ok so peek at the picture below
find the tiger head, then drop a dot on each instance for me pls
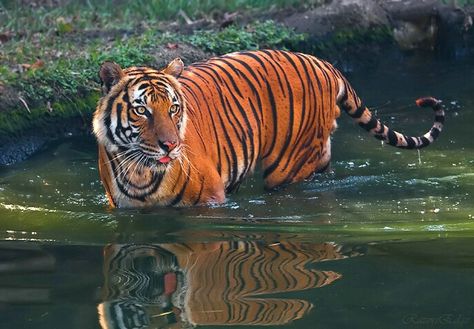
(142, 113)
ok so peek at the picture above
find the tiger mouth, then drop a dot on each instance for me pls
(165, 160)
(150, 159)
(156, 156)
(161, 161)
(158, 162)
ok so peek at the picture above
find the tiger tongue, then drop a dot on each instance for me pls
(170, 283)
(164, 159)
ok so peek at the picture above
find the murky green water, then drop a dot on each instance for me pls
(384, 241)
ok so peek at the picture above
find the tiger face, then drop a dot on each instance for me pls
(141, 116)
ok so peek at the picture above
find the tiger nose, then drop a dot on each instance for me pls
(167, 145)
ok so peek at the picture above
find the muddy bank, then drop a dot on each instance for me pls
(349, 33)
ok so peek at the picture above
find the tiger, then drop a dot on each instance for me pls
(184, 136)
(181, 285)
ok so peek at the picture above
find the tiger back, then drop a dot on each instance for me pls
(186, 136)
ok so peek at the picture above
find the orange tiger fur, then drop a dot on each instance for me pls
(186, 136)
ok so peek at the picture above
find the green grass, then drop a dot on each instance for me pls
(256, 36)
(68, 80)
(74, 15)
(70, 68)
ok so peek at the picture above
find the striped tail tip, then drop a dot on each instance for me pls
(428, 102)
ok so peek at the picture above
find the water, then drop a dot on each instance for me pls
(383, 241)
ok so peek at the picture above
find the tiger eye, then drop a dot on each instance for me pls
(174, 109)
(140, 110)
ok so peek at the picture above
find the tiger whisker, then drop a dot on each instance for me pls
(128, 158)
(187, 148)
(181, 164)
(185, 156)
(120, 154)
(140, 159)
(127, 163)
(137, 161)
(121, 167)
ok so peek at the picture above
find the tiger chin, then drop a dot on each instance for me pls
(183, 136)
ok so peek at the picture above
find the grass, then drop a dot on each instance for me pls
(54, 72)
(255, 36)
(107, 14)
(70, 68)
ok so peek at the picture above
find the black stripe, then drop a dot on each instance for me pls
(227, 108)
(244, 64)
(248, 133)
(216, 140)
(381, 129)
(392, 137)
(252, 107)
(179, 196)
(357, 113)
(425, 141)
(152, 186)
(434, 132)
(273, 108)
(228, 139)
(309, 122)
(369, 125)
(257, 57)
(439, 118)
(410, 142)
(198, 199)
(119, 130)
(271, 168)
(229, 76)
(274, 64)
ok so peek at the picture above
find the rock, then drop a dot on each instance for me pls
(428, 25)
(188, 53)
(454, 32)
(339, 15)
(415, 24)
(18, 150)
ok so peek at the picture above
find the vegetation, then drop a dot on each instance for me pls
(50, 57)
(47, 66)
(29, 17)
(255, 36)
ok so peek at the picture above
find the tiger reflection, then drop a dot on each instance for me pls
(222, 283)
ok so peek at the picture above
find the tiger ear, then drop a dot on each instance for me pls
(174, 68)
(110, 73)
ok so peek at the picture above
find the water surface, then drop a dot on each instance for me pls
(384, 240)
